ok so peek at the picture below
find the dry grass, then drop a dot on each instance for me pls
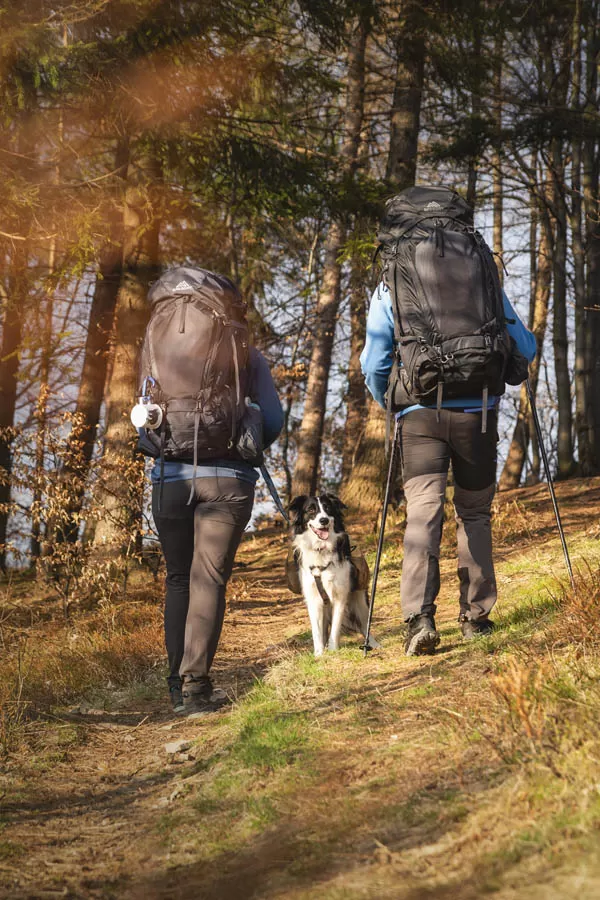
(57, 662)
(474, 771)
(578, 623)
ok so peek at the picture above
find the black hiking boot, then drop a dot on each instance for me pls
(475, 628)
(199, 696)
(176, 692)
(421, 637)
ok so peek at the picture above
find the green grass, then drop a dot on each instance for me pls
(9, 850)
(441, 778)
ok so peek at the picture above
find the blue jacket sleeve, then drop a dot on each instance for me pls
(377, 355)
(263, 392)
(522, 336)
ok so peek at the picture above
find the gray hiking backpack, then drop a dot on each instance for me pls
(449, 326)
(195, 357)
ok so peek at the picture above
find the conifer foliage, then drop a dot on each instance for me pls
(260, 140)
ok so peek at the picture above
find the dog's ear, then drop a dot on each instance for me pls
(336, 502)
(295, 508)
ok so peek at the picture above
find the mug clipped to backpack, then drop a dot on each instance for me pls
(250, 443)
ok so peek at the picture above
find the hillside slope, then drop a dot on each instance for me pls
(473, 771)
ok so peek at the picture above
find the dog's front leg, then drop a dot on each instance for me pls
(316, 614)
(337, 619)
(314, 604)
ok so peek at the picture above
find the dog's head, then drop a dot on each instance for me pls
(322, 515)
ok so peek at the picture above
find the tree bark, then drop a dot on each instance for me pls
(356, 397)
(497, 181)
(583, 360)
(119, 500)
(476, 109)
(41, 411)
(559, 294)
(90, 397)
(406, 104)
(365, 488)
(12, 335)
(542, 278)
(591, 173)
(15, 311)
(561, 344)
(310, 434)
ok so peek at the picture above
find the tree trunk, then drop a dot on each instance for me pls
(497, 185)
(310, 435)
(356, 397)
(559, 294)
(12, 335)
(119, 495)
(363, 493)
(41, 411)
(406, 104)
(591, 172)
(80, 448)
(561, 348)
(365, 488)
(583, 361)
(15, 311)
(542, 275)
(476, 106)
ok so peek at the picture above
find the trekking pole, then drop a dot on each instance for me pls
(538, 430)
(273, 492)
(386, 503)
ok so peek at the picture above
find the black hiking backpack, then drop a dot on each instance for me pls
(449, 326)
(195, 357)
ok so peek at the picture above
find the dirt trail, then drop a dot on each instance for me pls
(89, 821)
(92, 824)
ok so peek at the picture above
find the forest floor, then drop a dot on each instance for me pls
(473, 771)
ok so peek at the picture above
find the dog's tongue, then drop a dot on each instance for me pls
(322, 533)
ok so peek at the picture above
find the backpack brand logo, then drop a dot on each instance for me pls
(184, 286)
(433, 205)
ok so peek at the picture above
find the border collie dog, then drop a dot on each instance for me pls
(322, 552)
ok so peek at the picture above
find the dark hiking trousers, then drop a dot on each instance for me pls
(199, 543)
(428, 447)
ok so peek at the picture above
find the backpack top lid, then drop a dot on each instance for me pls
(418, 204)
(196, 282)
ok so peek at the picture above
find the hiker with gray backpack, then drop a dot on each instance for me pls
(207, 409)
(442, 342)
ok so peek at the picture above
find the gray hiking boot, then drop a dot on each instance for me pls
(200, 697)
(421, 637)
(475, 628)
(176, 692)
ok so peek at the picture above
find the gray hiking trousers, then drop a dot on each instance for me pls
(199, 542)
(428, 447)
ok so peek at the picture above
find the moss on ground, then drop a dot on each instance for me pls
(471, 772)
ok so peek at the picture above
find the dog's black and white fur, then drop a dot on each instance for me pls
(322, 551)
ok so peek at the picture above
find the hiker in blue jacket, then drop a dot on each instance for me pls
(199, 541)
(430, 439)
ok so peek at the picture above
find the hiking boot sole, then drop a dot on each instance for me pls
(423, 643)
